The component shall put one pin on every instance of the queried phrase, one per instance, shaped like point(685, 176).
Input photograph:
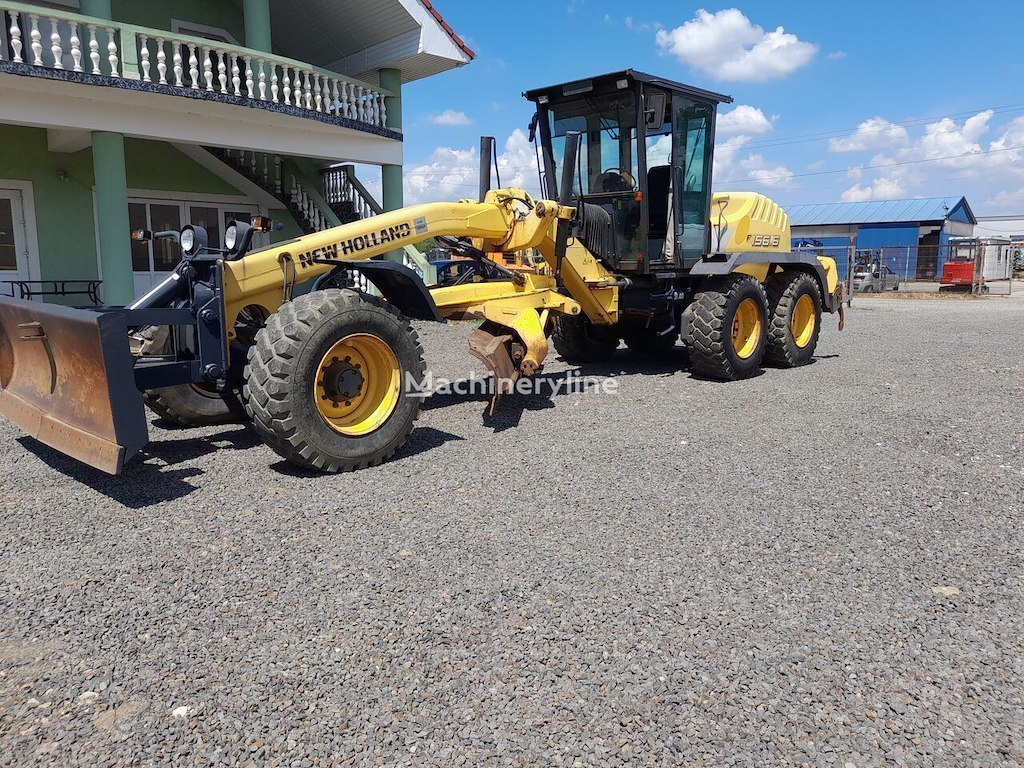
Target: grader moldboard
point(637, 248)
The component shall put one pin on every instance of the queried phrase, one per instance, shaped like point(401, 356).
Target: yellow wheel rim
point(746, 328)
point(801, 322)
point(358, 384)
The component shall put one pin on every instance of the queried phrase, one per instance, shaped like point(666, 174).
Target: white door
point(13, 248)
point(152, 262)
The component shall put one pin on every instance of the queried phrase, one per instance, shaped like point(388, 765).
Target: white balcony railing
point(56, 40)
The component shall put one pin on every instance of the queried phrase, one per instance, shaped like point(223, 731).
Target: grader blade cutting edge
point(493, 351)
point(67, 379)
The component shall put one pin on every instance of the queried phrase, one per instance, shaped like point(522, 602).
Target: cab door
point(693, 131)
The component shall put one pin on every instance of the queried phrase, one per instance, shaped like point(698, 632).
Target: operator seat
point(657, 201)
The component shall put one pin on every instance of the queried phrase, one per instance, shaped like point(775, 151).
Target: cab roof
point(602, 81)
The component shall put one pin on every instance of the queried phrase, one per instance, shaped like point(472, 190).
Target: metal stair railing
point(347, 196)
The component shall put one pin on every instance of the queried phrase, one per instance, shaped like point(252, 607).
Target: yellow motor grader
point(636, 249)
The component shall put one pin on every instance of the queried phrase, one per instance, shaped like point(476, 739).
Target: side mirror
point(654, 110)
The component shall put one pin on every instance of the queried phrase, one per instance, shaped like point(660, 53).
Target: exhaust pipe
point(486, 153)
point(572, 148)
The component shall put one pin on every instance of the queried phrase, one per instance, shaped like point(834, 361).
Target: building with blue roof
point(909, 236)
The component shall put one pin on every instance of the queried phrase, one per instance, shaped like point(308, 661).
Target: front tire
point(794, 311)
point(184, 405)
point(324, 383)
point(728, 331)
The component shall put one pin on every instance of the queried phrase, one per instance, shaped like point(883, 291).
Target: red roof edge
point(451, 32)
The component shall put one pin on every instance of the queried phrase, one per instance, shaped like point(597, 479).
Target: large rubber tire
point(649, 343)
point(185, 405)
point(789, 347)
point(578, 340)
point(711, 345)
point(280, 381)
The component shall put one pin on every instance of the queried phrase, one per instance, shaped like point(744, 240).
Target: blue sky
point(840, 88)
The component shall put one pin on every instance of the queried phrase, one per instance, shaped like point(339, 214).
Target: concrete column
point(112, 217)
point(392, 192)
point(393, 196)
point(99, 9)
point(257, 24)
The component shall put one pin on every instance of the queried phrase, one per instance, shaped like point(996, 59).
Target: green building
point(122, 114)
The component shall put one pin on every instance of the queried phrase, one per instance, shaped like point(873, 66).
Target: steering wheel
point(615, 180)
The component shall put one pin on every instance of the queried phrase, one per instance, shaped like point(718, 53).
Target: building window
point(152, 261)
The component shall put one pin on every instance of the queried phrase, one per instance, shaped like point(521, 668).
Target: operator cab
point(644, 166)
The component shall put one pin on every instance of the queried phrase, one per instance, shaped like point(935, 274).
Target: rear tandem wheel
point(794, 311)
point(727, 336)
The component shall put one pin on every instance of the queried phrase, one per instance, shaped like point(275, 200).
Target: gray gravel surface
point(816, 567)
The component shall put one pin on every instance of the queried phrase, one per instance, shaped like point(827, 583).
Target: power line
point(913, 122)
point(879, 165)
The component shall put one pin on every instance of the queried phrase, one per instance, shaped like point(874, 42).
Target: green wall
point(212, 13)
point(65, 225)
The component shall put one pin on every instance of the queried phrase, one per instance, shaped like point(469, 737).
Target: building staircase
point(336, 197)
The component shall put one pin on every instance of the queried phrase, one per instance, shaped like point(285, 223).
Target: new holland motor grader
point(637, 249)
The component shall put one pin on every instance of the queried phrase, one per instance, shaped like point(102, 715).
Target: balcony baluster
point(36, 45)
point(144, 57)
point(55, 45)
point(161, 61)
point(250, 81)
point(193, 66)
point(16, 45)
point(94, 50)
point(178, 69)
point(76, 48)
point(222, 69)
point(112, 51)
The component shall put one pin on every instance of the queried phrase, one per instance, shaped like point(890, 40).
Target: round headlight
point(188, 240)
point(231, 237)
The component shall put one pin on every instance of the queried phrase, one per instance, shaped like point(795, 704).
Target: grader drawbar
point(641, 253)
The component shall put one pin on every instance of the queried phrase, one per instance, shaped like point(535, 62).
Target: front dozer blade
point(67, 379)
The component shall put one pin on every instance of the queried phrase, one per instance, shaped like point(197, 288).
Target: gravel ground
point(811, 567)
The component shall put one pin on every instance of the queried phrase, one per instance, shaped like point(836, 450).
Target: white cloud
point(948, 157)
point(742, 119)
point(1005, 201)
point(836, 55)
point(883, 188)
point(660, 152)
point(729, 47)
point(453, 173)
point(874, 133)
point(451, 117)
point(773, 176)
point(945, 138)
point(641, 26)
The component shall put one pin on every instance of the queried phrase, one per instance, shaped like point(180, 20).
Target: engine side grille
point(594, 230)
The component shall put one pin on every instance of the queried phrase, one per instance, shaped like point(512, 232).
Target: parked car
point(869, 279)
